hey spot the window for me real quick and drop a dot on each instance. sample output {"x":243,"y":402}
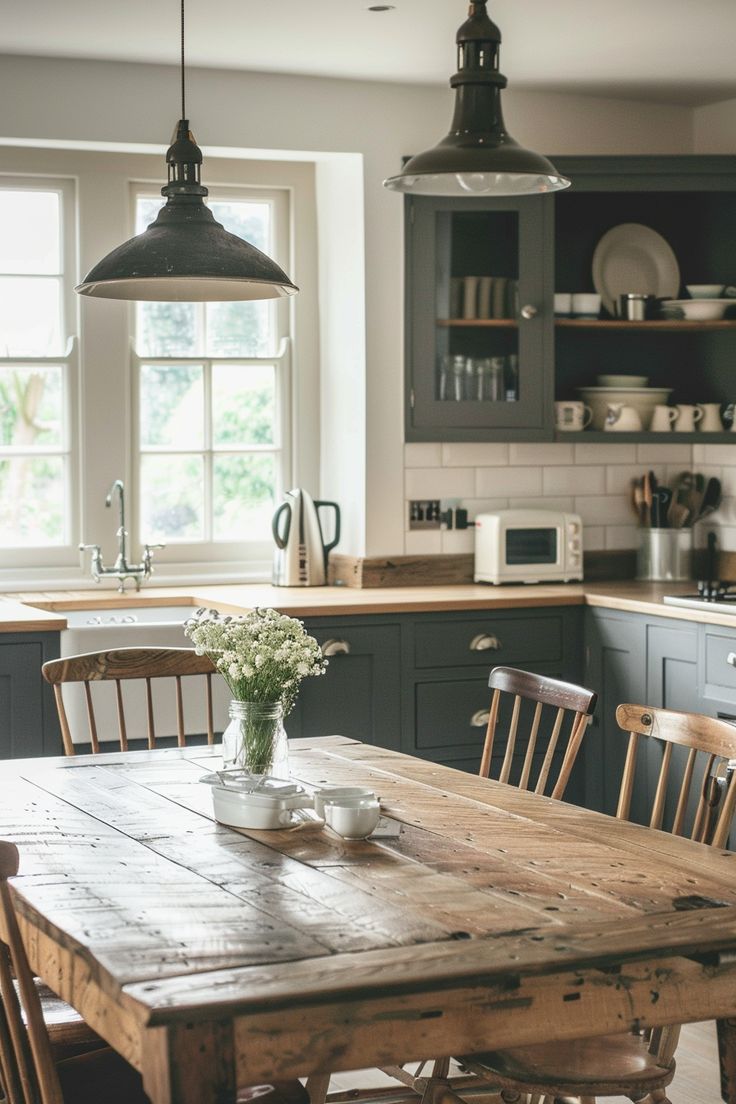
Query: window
{"x":212,"y":396}
{"x":37,"y":364}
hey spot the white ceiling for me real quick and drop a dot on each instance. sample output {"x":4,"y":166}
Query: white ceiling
{"x":679,"y":51}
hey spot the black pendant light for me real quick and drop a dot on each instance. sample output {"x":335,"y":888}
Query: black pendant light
{"x":186,"y":255}
{"x":478,"y":156}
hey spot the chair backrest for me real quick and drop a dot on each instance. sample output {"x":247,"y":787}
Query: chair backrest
{"x":563,"y":698}
{"x":27,"y":1069}
{"x":119,"y":666}
{"x":712,"y":790}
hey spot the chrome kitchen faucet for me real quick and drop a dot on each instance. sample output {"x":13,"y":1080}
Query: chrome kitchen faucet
{"x":121,"y":569}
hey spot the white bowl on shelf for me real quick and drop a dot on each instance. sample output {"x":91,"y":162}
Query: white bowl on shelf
{"x":705,"y":291}
{"x":622,"y":381}
{"x":697,"y":310}
{"x":643,"y":400}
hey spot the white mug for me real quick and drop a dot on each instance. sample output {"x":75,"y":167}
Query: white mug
{"x":622,"y":419}
{"x":572,"y":416}
{"x":354,"y":819}
{"x":711,"y":420}
{"x":563,"y":304}
{"x":687,"y":418}
{"x":341,"y":795}
{"x":662,"y":418}
{"x":586,"y":305}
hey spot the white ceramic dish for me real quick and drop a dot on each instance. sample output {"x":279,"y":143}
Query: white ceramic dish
{"x":697,"y":310}
{"x":353,"y":819}
{"x":622,"y":381}
{"x":341,"y":795}
{"x":634,"y":258}
{"x":273,"y":804}
{"x":642,"y":399}
{"x":704,"y":291}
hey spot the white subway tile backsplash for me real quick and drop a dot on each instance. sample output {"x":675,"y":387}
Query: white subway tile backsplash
{"x":522,"y":453}
{"x":727,"y":538}
{"x":476,"y":506}
{"x":546,"y":503}
{"x":603,"y":454}
{"x":439,"y":482}
{"x":423,"y":455}
{"x":604,"y":509}
{"x":576,"y":479}
{"x":419,"y":543}
{"x":594,"y":538}
{"x":458,"y":540}
{"x":472,"y":455}
{"x":619,"y":477}
{"x":663,"y":454}
{"x":619,"y":537}
{"x":511,"y":481}
{"x":719,"y":454}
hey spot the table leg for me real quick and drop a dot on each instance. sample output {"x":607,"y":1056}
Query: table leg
{"x":727,"y":1055}
{"x":189,"y":1064}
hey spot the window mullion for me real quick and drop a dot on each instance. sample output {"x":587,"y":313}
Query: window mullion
{"x":209,"y":493}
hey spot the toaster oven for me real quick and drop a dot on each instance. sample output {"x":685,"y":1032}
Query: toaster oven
{"x":528,"y":546}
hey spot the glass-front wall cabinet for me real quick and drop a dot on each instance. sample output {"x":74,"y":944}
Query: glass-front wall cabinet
{"x":478,"y":327}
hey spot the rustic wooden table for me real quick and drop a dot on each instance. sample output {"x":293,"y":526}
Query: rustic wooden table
{"x":209,"y":956}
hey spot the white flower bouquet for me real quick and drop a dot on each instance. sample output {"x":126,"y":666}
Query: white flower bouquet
{"x":263,"y":657}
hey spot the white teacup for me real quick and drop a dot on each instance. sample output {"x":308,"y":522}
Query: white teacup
{"x":572,"y":416}
{"x":340,"y":795}
{"x":586,"y":305}
{"x":622,"y":419}
{"x":711,"y":420}
{"x":354,"y":819}
{"x":563,"y":304}
{"x":662,"y":419}
{"x":687,"y":418}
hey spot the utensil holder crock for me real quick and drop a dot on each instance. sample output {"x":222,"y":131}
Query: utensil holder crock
{"x":664,"y":555}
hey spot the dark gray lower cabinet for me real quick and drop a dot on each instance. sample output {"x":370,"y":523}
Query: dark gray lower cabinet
{"x":360,"y":695}
{"x":28,"y":720}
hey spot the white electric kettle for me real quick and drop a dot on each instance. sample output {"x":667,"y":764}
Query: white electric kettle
{"x":301,"y":552}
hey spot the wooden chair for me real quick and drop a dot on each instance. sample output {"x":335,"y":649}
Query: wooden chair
{"x":126,"y":664}
{"x":701,"y":804}
{"x":29,"y":1073}
{"x":539,"y":691}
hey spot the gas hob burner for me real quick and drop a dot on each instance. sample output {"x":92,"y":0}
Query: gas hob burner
{"x":716,"y":591}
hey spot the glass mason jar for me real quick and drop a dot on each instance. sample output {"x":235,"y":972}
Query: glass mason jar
{"x":255,"y":739}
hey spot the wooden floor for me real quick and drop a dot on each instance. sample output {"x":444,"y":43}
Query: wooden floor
{"x":696,"y":1080}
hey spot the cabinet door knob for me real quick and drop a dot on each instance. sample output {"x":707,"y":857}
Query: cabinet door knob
{"x":528,"y":311}
{"x":335,"y":647}
{"x":484,"y":642}
{"x":731,"y":658}
{"x":480,"y":718}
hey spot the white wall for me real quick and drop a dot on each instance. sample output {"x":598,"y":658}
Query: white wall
{"x":714,"y":128}
{"x":70,"y":100}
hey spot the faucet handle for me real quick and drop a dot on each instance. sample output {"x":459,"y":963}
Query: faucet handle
{"x":89,"y":547}
{"x":148,"y":550}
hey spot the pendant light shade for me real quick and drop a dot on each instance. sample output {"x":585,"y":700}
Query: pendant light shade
{"x":185,"y":254}
{"x":478,"y":156}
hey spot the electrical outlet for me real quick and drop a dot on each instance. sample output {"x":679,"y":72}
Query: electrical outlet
{"x":424,"y":513}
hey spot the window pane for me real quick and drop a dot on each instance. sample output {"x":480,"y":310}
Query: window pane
{"x":32,"y":501}
{"x":244,"y":492}
{"x":30,"y":316}
{"x":146,"y":209}
{"x":243,"y":404}
{"x":243,"y":329}
{"x":31,"y":406}
{"x":171,"y":405}
{"x":30,"y":231}
{"x":166,"y":329}
{"x":172,"y":496}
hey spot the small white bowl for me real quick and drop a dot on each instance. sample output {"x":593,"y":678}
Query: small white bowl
{"x":622,"y":381}
{"x":698,"y":310}
{"x":704,"y":291}
{"x":341,"y":795}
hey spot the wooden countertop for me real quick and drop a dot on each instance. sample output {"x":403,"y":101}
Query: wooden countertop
{"x":44,"y":611}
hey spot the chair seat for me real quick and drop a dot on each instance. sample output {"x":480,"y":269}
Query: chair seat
{"x":604,"y":1065}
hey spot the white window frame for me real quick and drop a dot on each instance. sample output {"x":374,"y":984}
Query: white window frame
{"x":66,"y":553}
{"x":208,"y":549}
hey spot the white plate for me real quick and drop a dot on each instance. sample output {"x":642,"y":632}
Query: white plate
{"x":633,"y":257}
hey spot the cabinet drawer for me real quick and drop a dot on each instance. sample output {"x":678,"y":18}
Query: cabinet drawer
{"x":720,"y":675}
{"x":489,"y":642}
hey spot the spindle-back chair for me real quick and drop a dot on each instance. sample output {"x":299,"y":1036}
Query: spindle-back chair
{"x":702,"y":805}
{"x":125,"y":664}
{"x":570,"y":704}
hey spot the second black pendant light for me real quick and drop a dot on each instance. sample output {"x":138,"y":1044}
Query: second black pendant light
{"x":185,"y":254}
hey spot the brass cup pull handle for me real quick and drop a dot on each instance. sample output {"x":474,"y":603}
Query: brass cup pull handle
{"x":484,"y":642}
{"x":480,"y":718}
{"x":731,"y":658}
{"x":335,"y":647}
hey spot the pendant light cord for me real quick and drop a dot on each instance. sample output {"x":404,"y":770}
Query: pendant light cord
{"x":183,"y":100}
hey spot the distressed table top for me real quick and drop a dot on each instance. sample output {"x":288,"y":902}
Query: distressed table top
{"x":494,"y":916}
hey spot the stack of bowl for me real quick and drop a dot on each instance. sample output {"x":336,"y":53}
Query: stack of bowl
{"x":628,"y":390}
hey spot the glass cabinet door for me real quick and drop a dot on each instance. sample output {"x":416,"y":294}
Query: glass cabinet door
{"x":479,"y":326}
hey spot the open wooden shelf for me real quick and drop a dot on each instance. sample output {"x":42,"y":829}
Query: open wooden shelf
{"x":498,"y":323}
{"x":645,"y":437}
{"x":660,"y":325}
